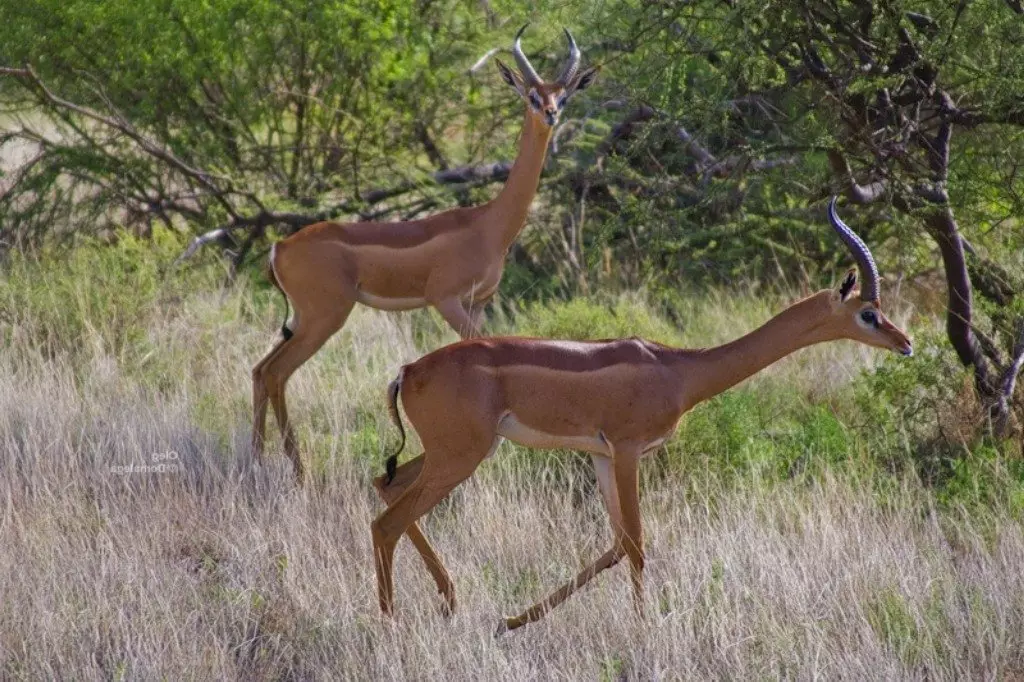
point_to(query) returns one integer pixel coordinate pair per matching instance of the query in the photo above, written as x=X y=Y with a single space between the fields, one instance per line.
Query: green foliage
x=768 y=434
x=904 y=402
x=62 y=301
x=583 y=318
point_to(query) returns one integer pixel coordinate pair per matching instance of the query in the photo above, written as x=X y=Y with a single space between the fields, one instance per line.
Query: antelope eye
x=561 y=101
x=869 y=317
x=535 y=101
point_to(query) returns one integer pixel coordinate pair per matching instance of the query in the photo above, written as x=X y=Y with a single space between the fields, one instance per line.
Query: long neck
x=513 y=202
x=708 y=372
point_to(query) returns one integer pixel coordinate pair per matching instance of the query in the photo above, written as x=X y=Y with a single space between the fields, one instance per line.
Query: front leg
x=454 y=313
x=629 y=535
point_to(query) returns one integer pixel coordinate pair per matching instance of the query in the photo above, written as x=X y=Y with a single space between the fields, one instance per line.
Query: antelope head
x=545 y=101
x=858 y=315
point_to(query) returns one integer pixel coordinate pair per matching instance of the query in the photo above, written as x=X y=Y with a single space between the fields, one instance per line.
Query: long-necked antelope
x=617 y=400
x=452 y=261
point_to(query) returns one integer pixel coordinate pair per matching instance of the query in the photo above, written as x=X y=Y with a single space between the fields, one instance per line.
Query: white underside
x=516 y=431
x=382 y=303
x=513 y=429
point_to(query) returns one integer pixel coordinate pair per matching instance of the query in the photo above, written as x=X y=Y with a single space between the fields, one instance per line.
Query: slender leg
x=609 y=493
x=455 y=314
x=389 y=492
x=420 y=497
x=626 y=469
x=260 y=401
x=540 y=609
x=309 y=337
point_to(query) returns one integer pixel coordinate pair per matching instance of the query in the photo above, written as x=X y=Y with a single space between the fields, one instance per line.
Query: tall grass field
x=832 y=518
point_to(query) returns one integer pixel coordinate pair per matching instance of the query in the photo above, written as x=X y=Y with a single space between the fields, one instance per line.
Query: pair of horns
x=527 y=69
x=860 y=252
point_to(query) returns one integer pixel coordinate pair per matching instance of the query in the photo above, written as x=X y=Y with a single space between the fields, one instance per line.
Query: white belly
x=381 y=303
x=516 y=431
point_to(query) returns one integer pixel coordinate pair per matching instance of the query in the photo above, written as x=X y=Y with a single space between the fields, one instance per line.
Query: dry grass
x=222 y=570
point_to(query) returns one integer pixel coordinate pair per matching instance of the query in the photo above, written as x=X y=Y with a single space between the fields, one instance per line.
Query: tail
x=285 y=331
x=391 y=465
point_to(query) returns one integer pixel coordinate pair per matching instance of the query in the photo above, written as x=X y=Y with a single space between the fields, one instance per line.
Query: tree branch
x=856 y=193
x=457 y=178
x=118 y=122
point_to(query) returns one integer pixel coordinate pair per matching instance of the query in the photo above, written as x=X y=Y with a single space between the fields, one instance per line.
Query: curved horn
x=524 y=64
x=574 y=61
x=861 y=254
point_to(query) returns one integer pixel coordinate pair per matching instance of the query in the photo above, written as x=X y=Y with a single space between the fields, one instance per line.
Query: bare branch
x=705 y=157
x=434 y=152
x=857 y=193
x=943 y=227
x=117 y=123
x=220 y=234
x=19 y=175
x=456 y=178
x=120 y=123
x=1009 y=377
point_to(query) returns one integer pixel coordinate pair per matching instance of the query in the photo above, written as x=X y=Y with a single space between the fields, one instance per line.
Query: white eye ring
x=535 y=100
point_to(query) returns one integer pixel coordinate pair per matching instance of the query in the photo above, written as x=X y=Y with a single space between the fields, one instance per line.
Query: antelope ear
x=847 y=286
x=584 y=80
x=511 y=77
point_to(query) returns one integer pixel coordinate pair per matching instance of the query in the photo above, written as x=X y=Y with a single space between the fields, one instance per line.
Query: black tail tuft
x=285 y=331
x=391 y=465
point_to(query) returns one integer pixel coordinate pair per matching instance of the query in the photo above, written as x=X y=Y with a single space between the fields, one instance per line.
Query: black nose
x=550 y=116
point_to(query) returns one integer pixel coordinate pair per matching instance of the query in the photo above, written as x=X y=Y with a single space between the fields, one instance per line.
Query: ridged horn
x=860 y=252
x=525 y=68
x=574 y=61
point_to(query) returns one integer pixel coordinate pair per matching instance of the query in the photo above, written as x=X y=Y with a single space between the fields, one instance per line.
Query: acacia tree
x=929 y=119
x=248 y=115
x=916 y=115
x=705 y=151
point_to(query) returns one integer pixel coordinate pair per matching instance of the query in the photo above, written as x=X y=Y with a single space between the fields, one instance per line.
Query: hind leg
x=389 y=492
x=311 y=334
x=450 y=458
x=260 y=401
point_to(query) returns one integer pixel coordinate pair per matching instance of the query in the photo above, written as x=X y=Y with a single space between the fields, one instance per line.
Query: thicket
x=701 y=156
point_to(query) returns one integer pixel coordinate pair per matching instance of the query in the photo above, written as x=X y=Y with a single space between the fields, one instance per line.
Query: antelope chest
x=482 y=286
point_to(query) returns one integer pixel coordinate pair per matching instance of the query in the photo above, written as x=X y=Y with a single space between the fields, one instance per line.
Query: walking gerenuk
x=617 y=400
